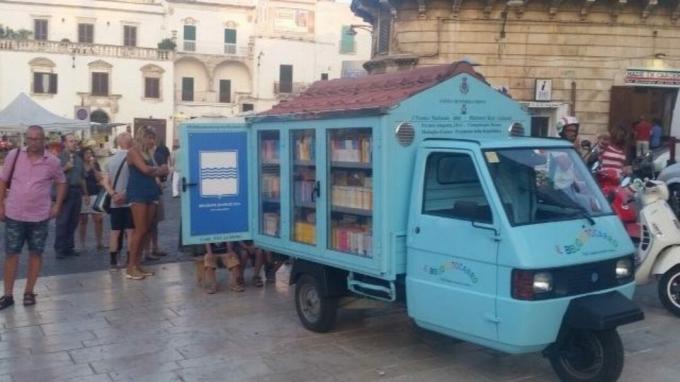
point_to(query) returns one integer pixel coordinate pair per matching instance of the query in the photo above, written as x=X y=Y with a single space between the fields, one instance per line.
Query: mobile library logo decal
x=219 y=173
x=451 y=265
x=582 y=239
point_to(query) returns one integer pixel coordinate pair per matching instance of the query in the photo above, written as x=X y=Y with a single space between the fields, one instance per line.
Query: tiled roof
x=369 y=93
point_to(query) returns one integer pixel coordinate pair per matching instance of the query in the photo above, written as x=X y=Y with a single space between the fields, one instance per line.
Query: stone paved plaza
x=98 y=326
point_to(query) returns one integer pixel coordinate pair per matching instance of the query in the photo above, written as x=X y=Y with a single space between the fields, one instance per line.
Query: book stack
x=270 y=223
x=305 y=232
x=271 y=186
x=352 y=197
x=303 y=190
x=351 y=149
x=353 y=238
x=304 y=148
x=270 y=151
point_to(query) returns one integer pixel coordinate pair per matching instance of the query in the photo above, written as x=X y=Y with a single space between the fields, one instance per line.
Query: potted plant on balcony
x=8 y=33
x=167 y=44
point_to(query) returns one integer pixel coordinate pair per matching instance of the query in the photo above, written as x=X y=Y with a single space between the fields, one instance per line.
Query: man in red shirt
x=642 y=129
x=26 y=208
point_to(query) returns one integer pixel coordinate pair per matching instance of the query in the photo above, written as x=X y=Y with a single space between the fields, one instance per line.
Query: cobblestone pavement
x=91 y=259
x=98 y=326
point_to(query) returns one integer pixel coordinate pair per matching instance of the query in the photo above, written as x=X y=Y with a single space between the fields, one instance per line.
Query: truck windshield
x=544 y=185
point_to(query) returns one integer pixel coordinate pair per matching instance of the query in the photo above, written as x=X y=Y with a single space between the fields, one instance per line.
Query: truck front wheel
x=669 y=290
x=588 y=356
x=317 y=313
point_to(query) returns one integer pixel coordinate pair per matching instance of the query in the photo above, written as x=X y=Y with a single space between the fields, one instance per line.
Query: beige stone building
x=607 y=62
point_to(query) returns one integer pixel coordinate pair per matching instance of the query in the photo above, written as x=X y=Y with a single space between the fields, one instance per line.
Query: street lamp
x=352 y=31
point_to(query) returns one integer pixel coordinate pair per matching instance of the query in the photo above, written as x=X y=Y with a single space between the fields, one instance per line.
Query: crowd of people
x=37 y=186
x=39 y=183
x=619 y=147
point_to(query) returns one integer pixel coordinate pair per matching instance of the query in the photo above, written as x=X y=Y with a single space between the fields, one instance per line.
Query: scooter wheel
x=588 y=356
x=669 y=290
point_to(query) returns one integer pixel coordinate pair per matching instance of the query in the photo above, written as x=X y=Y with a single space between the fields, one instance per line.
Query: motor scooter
x=622 y=200
x=658 y=253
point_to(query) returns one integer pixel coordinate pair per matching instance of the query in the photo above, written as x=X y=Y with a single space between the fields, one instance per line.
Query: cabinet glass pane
x=305 y=187
x=351 y=191
x=270 y=183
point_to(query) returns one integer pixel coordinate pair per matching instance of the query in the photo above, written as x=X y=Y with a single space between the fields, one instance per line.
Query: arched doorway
x=100 y=133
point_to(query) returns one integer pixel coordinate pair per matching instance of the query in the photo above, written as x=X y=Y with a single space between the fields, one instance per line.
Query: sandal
x=29 y=299
x=257 y=281
x=159 y=253
x=237 y=288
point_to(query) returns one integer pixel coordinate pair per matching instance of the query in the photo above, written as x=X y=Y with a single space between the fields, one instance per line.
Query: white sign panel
x=543 y=90
x=219 y=173
x=293 y=20
x=663 y=78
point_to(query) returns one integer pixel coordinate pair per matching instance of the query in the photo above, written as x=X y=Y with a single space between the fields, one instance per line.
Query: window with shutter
x=187 y=89
x=225 y=91
x=286 y=79
x=100 y=84
x=190 y=38
x=152 y=87
x=86 y=33
x=347 y=40
x=44 y=83
x=230 y=41
x=40 y=29
x=129 y=35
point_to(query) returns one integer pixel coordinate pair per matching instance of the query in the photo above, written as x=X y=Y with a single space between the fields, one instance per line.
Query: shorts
x=121 y=219
x=17 y=233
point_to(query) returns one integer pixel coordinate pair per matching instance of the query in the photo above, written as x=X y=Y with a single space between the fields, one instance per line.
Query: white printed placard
x=219 y=173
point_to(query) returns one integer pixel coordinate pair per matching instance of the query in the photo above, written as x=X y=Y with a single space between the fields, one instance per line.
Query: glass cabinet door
x=351 y=191
x=305 y=187
x=270 y=183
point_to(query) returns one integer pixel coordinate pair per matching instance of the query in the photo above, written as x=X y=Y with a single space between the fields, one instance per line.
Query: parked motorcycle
x=622 y=200
x=658 y=253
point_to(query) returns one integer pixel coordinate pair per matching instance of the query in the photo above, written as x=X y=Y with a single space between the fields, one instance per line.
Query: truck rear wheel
x=317 y=312
x=589 y=356
x=669 y=290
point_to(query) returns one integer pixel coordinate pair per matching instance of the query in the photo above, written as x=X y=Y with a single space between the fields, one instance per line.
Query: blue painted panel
x=215 y=163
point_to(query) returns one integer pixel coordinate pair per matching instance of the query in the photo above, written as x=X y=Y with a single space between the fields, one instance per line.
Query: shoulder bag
x=102 y=203
x=11 y=172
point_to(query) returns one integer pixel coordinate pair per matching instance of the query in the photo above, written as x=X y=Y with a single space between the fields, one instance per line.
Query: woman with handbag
x=93 y=176
x=143 y=194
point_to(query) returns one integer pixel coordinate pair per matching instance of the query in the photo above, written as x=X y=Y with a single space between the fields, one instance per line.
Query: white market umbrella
x=24 y=112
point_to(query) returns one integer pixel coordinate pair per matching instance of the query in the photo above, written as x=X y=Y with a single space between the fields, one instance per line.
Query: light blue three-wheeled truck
x=420 y=187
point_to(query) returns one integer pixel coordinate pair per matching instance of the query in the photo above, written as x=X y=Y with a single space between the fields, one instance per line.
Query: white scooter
x=658 y=253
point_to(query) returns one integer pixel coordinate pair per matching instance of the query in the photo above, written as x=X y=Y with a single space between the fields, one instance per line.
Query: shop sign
x=543 y=91
x=653 y=77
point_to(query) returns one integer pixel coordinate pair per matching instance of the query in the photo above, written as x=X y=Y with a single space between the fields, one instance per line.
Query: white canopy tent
x=24 y=112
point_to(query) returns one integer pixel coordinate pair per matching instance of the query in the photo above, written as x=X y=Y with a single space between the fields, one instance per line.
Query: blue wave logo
x=219 y=173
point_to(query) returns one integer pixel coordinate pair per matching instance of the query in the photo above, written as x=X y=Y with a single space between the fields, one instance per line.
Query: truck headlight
x=624 y=268
x=543 y=282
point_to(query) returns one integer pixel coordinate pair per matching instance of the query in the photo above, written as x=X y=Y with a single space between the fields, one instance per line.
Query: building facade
x=98 y=57
x=159 y=62
x=608 y=63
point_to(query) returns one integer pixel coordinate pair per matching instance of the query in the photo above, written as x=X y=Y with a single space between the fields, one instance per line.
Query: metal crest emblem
x=464 y=87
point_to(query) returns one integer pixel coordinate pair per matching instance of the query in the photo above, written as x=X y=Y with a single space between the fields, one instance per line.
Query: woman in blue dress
x=143 y=193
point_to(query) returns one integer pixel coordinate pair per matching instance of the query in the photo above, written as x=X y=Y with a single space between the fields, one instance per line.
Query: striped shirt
x=613 y=158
